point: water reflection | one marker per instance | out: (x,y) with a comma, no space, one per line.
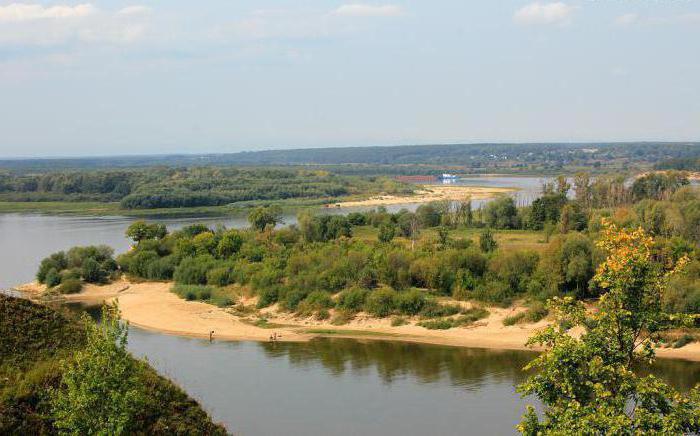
(466,367)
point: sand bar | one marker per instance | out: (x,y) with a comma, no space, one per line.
(151,305)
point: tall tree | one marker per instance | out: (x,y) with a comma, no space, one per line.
(586,382)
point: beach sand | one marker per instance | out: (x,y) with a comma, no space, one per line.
(430,193)
(151,305)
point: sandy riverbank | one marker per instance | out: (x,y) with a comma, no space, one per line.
(152,306)
(430,193)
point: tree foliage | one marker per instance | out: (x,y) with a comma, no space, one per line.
(100,391)
(586,382)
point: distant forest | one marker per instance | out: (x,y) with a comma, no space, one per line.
(189,187)
(408,159)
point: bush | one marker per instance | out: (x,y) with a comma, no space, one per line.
(398,321)
(411,302)
(342,317)
(494,292)
(683,341)
(381,302)
(513,319)
(193,270)
(433,309)
(193,292)
(57,261)
(221,276)
(315,302)
(70,286)
(352,299)
(438,324)
(52,278)
(267,297)
(471,315)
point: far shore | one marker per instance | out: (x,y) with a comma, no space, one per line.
(151,306)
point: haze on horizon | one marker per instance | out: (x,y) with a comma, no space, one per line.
(103,77)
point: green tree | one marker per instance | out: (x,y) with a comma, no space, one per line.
(501,213)
(261,217)
(586,383)
(141,230)
(100,392)
(386,232)
(229,244)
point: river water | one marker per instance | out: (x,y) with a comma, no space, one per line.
(323,387)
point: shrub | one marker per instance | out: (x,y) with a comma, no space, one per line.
(161,269)
(292,298)
(315,302)
(92,271)
(381,302)
(411,302)
(471,315)
(221,276)
(267,297)
(52,278)
(683,341)
(193,270)
(70,286)
(352,299)
(193,292)
(398,321)
(513,319)
(438,324)
(433,309)
(57,261)
(342,317)
(494,292)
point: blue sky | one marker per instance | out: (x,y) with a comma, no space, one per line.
(115,77)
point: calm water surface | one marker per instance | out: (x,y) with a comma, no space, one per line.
(323,387)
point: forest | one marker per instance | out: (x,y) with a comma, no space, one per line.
(529,158)
(189,187)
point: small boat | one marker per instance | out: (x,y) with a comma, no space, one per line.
(446,176)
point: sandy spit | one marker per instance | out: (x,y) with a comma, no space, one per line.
(151,305)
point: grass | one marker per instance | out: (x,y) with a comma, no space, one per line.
(263,323)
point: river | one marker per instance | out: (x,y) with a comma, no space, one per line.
(323,387)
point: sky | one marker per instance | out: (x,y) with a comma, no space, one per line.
(174,76)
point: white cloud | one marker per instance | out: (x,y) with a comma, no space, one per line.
(134,10)
(33,24)
(544,13)
(362,10)
(20,12)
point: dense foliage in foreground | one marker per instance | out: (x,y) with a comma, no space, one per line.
(586,382)
(189,187)
(42,352)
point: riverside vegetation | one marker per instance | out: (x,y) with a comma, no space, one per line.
(155,188)
(405,263)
